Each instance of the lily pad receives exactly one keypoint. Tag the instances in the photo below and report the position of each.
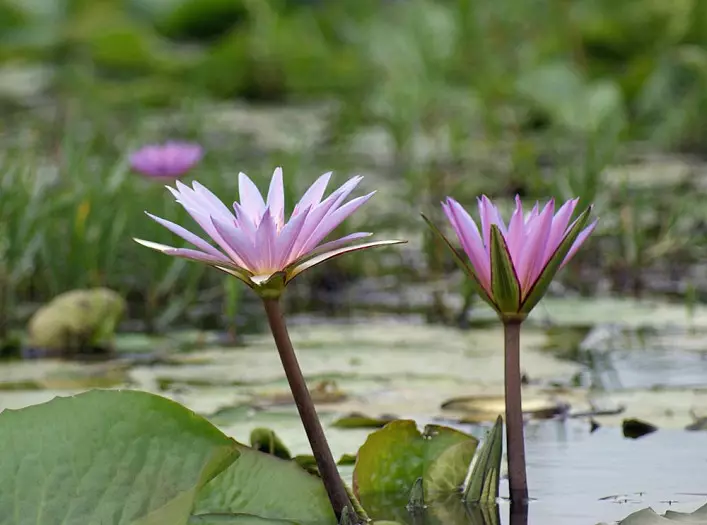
(268, 487)
(650, 517)
(121, 457)
(358, 420)
(486, 408)
(394, 457)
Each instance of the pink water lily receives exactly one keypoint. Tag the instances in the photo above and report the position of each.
(513, 264)
(166, 161)
(254, 242)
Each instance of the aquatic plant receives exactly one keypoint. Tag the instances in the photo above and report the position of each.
(166, 161)
(266, 252)
(511, 267)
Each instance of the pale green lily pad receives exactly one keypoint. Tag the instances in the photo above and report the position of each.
(650, 517)
(90, 459)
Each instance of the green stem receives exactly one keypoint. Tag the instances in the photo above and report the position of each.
(333, 483)
(515, 442)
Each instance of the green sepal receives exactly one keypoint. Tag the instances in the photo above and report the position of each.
(461, 261)
(504, 280)
(539, 288)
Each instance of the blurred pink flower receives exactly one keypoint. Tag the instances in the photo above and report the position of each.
(166, 161)
(513, 264)
(256, 244)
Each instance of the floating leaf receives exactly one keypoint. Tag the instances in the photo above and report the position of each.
(393, 457)
(485, 476)
(650, 517)
(235, 519)
(358, 420)
(269, 487)
(265, 440)
(119, 457)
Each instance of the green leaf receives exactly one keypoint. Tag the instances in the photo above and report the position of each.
(393, 457)
(463, 263)
(265, 440)
(650, 517)
(118, 457)
(504, 281)
(485, 476)
(235, 519)
(269, 487)
(548, 273)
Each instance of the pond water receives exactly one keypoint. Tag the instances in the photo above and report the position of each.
(620, 368)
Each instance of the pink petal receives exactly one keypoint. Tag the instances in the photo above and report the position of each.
(288, 237)
(244, 222)
(532, 258)
(331, 221)
(559, 227)
(211, 202)
(265, 245)
(187, 236)
(185, 253)
(470, 239)
(486, 221)
(276, 198)
(320, 211)
(578, 242)
(314, 194)
(238, 247)
(314, 261)
(516, 232)
(250, 197)
(338, 243)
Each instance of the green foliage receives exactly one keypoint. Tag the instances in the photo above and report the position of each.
(394, 457)
(483, 484)
(269, 487)
(118, 457)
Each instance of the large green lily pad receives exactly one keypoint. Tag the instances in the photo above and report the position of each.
(393, 457)
(118, 457)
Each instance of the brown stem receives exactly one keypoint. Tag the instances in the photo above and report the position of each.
(515, 442)
(320, 448)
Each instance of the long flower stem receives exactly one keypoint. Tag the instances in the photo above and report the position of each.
(515, 442)
(320, 448)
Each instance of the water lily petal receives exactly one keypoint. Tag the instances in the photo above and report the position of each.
(288, 237)
(237, 245)
(332, 220)
(314, 261)
(314, 194)
(187, 235)
(276, 198)
(336, 244)
(250, 198)
(532, 257)
(184, 253)
(470, 239)
(579, 241)
(560, 226)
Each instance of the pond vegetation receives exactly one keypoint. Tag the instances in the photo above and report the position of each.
(600, 100)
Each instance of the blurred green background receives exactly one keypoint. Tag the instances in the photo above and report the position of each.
(593, 98)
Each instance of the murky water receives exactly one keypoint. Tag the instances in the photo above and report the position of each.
(379, 367)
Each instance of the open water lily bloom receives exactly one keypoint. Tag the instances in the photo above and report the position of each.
(166, 161)
(254, 242)
(512, 265)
